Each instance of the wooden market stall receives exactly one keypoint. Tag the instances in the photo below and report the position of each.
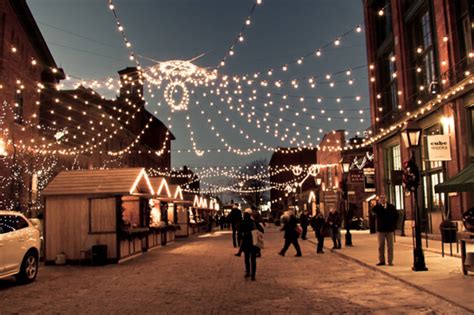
(166, 204)
(89, 210)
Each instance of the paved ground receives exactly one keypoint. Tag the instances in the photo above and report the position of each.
(201, 275)
(444, 277)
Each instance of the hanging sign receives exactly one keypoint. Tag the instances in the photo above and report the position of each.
(369, 182)
(439, 148)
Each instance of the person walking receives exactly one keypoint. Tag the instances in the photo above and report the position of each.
(386, 222)
(334, 221)
(317, 223)
(250, 253)
(291, 235)
(304, 222)
(235, 217)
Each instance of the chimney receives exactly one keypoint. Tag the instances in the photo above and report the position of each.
(132, 87)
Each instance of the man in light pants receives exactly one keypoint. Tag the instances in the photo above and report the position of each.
(386, 222)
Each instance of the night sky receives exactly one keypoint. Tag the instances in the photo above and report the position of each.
(85, 42)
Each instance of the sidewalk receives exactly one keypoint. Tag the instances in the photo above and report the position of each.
(444, 277)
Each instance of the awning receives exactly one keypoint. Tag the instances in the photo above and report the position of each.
(463, 181)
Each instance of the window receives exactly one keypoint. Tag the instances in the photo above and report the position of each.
(423, 64)
(18, 109)
(2, 34)
(470, 115)
(465, 18)
(11, 223)
(393, 162)
(388, 82)
(383, 23)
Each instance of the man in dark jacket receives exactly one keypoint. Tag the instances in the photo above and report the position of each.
(317, 223)
(386, 222)
(291, 236)
(334, 221)
(304, 224)
(235, 217)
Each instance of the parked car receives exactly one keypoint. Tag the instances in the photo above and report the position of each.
(19, 247)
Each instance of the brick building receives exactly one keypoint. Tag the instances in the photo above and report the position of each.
(44, 130)
(330, 154)
(281, 173)
(420, 60)
(25, 61)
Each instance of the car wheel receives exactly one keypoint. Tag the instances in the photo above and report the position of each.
(29, 268)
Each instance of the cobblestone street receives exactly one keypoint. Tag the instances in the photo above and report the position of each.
(201, 275)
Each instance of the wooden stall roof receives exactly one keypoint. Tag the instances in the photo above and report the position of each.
(161, 187)
(120, 181)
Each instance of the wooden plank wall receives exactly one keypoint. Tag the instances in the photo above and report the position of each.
(67, 227)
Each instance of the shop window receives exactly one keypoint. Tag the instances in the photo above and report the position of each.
(393, 162)
(432, 174)
(130, 212)
(18, 107)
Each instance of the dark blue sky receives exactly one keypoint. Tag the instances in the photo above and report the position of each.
(84, 41)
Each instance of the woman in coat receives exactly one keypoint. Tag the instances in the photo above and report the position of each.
(291, 236)
(250, 251)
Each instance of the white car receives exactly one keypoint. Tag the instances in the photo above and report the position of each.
(19, 247)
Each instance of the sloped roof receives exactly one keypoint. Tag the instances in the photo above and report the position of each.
(120, 181)
(161, 187)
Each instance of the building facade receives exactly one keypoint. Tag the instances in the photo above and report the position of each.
(420, 58)
(44, 130)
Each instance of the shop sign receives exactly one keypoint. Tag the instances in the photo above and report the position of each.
(356, 176)
(439, 148)
(369, 179)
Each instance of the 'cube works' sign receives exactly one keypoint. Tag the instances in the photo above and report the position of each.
(439, 148)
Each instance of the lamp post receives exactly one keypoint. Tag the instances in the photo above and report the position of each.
(345, 165)
(411, 135)
(317, 181)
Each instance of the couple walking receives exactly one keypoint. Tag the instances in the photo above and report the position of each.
(322, 227)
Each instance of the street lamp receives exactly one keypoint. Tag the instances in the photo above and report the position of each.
(411, 135)
(345, 165)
